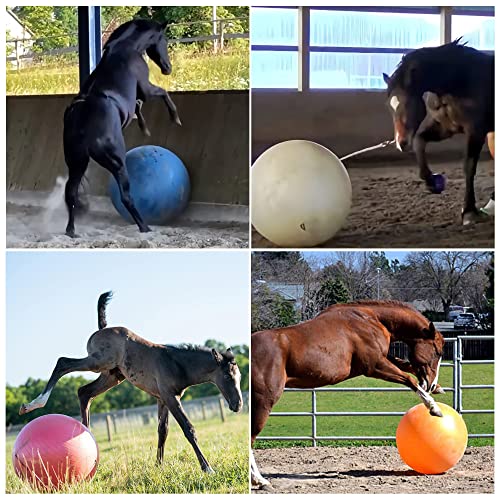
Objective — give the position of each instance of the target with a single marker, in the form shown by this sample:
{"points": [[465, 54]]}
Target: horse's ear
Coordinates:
{"points": [[387, 78], [229, 354], [217, 356], [431, 331]]}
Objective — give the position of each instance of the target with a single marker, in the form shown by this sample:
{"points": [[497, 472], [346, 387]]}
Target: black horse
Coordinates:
{"points": [[465, 77], [108, 101]]}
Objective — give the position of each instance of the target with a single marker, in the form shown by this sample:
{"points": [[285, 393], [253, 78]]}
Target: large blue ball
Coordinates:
{"points": [[159, 185]]}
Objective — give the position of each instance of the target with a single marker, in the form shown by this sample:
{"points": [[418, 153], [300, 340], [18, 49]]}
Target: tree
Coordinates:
{"points": [[330, 292], [48, 29], [444, 274], [193, 14]]}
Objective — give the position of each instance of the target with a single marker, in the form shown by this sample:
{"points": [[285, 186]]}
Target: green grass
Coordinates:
{"points": [[376, 401], [191, 71], [127, 464]]}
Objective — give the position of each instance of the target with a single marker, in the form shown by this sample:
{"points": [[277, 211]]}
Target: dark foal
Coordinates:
{"points": [[108, 101], [466, 77], [163, 371], [342, 342]]}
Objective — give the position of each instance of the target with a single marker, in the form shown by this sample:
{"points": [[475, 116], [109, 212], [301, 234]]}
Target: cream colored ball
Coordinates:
{"points": [[301, 194]]}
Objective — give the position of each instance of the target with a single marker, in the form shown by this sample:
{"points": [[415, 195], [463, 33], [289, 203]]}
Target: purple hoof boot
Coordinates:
{"points": [[438, 183]]}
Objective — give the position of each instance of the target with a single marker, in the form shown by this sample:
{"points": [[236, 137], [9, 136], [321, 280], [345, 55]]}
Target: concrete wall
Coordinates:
{"points": [[344, 121], [213, 142]]}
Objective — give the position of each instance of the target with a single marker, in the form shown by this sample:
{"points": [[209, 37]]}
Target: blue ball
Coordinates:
{"points": [[159, 185]]}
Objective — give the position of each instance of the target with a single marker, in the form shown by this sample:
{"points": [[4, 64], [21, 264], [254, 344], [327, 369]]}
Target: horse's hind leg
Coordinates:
{"points": [[163, 423], [77, 165], [63, 367], [111, 156], [87, 393]]}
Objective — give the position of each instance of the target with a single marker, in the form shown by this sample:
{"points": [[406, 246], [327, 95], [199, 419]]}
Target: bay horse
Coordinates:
{"points": [[452, 69], [108, 101], [342, 342], [163, 371]]}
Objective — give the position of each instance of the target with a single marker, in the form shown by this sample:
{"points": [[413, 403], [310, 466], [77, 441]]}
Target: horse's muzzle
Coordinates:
{"points": [[166, 71], [236, 407]]}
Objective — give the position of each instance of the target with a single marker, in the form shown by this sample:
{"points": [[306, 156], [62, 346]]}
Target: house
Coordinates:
{"points": [[19, 38]]}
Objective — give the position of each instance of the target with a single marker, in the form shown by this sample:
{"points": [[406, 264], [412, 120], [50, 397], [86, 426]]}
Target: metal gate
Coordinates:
{"points": [[457, 390]]}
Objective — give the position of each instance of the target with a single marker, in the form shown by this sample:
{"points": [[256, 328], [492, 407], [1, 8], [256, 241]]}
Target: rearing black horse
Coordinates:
{"points": [[108, 101], [453, 70]]}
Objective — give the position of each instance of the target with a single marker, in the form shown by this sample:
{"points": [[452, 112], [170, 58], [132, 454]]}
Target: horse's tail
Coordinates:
{"points": [[101, 309]]}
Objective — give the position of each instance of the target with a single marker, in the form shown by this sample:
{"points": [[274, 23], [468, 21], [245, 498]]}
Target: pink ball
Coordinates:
{"points": [[53, 450]]}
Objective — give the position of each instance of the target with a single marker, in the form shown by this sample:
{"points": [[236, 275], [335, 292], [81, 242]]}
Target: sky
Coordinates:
{"points": [[391, 255], [166, 297]]}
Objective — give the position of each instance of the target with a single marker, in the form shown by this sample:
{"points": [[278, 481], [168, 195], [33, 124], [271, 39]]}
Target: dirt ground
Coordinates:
{"points": [[38, 222], [371, 469], [391, 208]]}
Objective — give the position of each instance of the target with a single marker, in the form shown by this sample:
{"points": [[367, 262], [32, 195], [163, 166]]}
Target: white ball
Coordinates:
{"points": [[301, 194]]}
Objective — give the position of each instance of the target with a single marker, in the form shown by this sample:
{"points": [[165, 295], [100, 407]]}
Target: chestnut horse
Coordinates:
{"points": [[342, 342]]}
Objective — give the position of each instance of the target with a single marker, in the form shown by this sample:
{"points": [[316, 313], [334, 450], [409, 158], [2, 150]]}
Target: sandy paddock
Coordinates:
{"points": [[38, 220], [369, 469], [391, 208]]}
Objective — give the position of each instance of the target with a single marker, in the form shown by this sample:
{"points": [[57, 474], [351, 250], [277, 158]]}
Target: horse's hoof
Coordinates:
{"points": [[23, 409], [72, 234], [474, 217], [435, 411], [267, 487], [145, 229], [178, 121], [209, 470], [488, 209]]}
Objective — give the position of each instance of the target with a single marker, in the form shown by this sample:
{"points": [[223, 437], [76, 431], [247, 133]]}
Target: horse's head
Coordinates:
{"points": [[227, 378], [157, 49], [407, 108], [425, 355]]}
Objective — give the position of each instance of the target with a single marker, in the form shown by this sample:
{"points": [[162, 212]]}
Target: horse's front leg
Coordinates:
{"points": [[150, 90], [428, 131], [140, 118], [407, 367], [162, 430], [174, 405], [387, 371], [470, 214]]}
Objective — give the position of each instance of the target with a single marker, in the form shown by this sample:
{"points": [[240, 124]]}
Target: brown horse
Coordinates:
{"points": [[342, 342]]}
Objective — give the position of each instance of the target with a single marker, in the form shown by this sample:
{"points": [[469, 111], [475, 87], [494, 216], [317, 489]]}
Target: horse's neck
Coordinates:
{"points": [[198, 366], [401, 324]]}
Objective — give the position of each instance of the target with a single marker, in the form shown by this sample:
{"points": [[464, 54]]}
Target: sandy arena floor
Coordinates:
{"points": [[370, 469], [391, 208], [36, 222]]}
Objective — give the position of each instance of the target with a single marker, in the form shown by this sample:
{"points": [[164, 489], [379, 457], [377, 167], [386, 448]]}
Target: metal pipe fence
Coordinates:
{"points": [[456, 365]]}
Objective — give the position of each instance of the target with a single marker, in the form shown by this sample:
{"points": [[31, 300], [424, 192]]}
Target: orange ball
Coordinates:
{"points": [[428, 444]]}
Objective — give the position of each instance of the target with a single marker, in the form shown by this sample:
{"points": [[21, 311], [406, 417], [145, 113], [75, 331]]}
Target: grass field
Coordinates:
{"points": [[127, 464], [376, 401], [191, 71]]}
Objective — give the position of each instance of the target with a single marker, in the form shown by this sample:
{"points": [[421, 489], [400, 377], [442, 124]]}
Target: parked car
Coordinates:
{"points": [[465, 320]]}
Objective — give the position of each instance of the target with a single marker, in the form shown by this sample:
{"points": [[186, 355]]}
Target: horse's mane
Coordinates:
{"points": [[135, 28], [449, 51], [189, 347], [368, 302]]}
